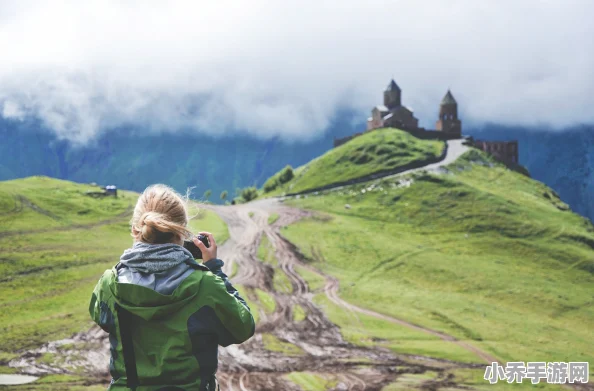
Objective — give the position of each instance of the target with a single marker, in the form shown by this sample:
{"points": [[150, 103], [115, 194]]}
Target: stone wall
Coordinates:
{"points": [[504, 151]]}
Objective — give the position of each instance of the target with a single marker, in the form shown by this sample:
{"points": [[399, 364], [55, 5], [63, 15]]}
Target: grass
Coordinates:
{"points": [[273, 218], [280, 280], [314, 280], [298, 313], [368, 331], [309, 381], [266, 301], [52, 256], [410, 381], [482, 253], [206, 220], [266, 251], [274, 344], [381, 149]]}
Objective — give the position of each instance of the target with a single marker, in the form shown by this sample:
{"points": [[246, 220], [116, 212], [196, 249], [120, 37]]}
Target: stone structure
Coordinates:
{"points": [[392, 113], [504, 151], [448, 116]]}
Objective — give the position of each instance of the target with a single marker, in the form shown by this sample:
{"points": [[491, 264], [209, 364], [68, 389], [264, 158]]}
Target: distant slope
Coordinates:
{"points": [[480, 252], [562, 158], [379, 150], [134, 158], [55, 242]]}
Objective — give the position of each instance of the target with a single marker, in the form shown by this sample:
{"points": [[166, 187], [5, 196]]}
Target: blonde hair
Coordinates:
{"points": [[160, 215]]}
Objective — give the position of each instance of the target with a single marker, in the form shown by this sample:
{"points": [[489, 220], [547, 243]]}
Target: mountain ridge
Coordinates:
{"points": [[564, 160]]}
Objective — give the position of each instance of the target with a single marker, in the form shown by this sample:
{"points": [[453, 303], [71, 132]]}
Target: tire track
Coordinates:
{"points": [[325, 351]]}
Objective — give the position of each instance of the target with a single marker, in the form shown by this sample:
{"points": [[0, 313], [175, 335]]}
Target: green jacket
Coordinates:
{"points": [[170, 342]]}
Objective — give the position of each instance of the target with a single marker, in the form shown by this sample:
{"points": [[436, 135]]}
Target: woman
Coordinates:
{"points": [[165, 313]]}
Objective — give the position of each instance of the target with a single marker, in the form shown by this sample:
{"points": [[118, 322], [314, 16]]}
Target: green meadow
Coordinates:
{"points": [[55, 242], [478, 251], [381, 149]]}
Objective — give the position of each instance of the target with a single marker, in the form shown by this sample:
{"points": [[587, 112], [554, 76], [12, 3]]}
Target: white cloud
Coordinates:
{"points": [[283, 68]]}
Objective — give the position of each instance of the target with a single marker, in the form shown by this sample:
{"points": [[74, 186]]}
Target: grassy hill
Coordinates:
{"points": [[482, 253], [55, 242], [382, 149]]}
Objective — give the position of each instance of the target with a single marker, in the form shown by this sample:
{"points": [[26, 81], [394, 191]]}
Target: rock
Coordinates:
{"points": [[347, 206]]}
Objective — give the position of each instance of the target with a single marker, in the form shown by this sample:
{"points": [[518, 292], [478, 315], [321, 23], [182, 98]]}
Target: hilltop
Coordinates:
{"points": [[381, 150]]}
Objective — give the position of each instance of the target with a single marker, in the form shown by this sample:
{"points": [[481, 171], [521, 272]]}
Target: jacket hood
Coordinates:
{"points": [[153, 258], [149, 304]]}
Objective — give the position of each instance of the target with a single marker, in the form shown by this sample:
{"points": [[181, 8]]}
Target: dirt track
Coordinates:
{"points": [[251, 367]]}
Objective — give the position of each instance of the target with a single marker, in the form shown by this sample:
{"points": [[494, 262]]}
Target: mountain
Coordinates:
{"points": [[131, 159]]}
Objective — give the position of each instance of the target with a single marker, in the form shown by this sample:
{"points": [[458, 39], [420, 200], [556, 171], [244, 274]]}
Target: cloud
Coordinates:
{"points": [[284, 68]]}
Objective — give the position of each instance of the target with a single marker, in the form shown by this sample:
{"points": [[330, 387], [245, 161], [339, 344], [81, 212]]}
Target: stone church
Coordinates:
{"points": [[392, 114]]}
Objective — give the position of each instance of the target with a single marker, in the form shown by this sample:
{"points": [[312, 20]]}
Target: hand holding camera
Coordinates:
{"points": [[203, 246]]}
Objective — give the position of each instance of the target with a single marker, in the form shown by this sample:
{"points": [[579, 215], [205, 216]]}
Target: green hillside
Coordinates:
{"points": [[382, 149], [482, 253], [55, 242]]}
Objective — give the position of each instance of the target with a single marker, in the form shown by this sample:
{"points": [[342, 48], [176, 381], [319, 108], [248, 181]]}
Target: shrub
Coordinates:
{"points": [[280, 178], [286, 174], [249, 193]]}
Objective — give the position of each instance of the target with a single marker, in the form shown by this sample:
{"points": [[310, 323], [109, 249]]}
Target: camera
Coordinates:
{"points": [[191, 247]]}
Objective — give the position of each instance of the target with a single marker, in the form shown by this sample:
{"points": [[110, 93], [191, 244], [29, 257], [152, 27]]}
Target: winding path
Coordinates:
{"points": [[250, 366]]}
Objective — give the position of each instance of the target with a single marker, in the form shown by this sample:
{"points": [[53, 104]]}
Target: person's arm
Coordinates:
{"points": [[229, 307], [99, 313], [216, 267]]}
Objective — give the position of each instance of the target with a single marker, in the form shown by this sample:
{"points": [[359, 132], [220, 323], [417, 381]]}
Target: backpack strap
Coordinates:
{"points": [[125, 320]]}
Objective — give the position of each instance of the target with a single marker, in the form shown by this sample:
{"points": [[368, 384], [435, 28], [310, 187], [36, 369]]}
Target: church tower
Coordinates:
{"points": [[392, 96], [448, 115]]}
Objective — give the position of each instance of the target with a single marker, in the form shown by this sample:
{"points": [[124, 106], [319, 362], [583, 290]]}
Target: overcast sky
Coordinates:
{"points": [[285, 67]]}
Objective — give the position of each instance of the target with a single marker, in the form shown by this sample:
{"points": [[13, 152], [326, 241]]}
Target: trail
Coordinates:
{"points": [[455, 149], [250, 366]]}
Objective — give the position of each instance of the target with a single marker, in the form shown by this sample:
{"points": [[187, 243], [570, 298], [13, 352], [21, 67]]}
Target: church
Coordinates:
{"points": [[393, 114]]}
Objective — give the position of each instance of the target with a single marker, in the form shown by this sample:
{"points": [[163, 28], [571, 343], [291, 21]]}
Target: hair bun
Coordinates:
{"points": [[160, 216], [149, 226]]}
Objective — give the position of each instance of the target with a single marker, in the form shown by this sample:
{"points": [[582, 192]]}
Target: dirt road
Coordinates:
{"points": [[252, 367]]}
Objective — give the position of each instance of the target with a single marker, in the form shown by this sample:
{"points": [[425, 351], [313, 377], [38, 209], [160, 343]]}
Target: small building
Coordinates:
{"points": [[111, 190], [504, 151], [448, 121]]}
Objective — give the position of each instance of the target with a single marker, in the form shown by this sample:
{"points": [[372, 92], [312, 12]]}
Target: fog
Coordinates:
{"points": [[280, 68]]}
